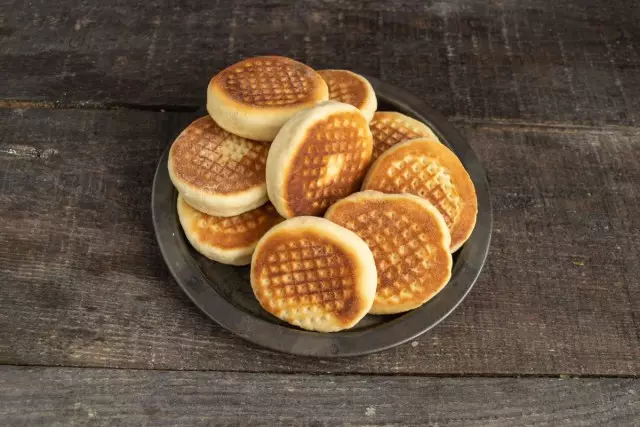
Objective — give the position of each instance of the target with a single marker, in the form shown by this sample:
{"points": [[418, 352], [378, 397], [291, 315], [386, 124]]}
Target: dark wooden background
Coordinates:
{"points": [[93, 329]]}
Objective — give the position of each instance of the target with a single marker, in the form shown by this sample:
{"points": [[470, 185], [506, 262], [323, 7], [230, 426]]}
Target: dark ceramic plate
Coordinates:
{"points": [[224, 293]]}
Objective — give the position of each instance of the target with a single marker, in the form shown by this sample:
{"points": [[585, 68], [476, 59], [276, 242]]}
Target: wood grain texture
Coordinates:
{"points": [[88, 397], [542, 61], [84, 284]]}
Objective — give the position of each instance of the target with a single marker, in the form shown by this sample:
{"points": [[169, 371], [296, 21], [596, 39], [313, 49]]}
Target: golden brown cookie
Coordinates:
{"points": [[390, 128], [410, 244], [217, 172], [351, 88], [314, 274], [255, 97], [229, 240], [430, 170], [319, 156]]}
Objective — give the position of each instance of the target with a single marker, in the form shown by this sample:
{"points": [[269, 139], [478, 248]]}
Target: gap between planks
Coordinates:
{"points": [[336, 374], [515, 124], [18, 104]]}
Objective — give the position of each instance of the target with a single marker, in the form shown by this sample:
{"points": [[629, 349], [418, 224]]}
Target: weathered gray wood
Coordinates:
{"points": [[543, 60], [61, 396], [83, 282]]}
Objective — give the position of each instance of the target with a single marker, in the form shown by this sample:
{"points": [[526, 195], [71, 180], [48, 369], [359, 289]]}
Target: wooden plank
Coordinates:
{"points": [[62, 396], [83, 282], [542, 61]]}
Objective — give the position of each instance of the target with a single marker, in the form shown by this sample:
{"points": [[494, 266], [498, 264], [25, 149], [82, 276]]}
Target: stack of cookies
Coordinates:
{"points": [[341, 210]]}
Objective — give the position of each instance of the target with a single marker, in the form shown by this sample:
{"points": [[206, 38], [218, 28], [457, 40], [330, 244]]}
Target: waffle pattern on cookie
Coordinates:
{"points": [[269, 82], [236, 231], [428, 169], [412, 259], [304, 280], [390, 128], [330, 163], [212, 159], [344, 87], [425, 177]]}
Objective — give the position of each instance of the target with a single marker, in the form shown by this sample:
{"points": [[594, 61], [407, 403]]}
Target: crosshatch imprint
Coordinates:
{"points": [[268, 82], [332, 162], [223, 161], [389, 131], [425, 177], [306, 276]]}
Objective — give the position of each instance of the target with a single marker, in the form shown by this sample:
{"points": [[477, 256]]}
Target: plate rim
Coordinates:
{"points": [[406, 327]]}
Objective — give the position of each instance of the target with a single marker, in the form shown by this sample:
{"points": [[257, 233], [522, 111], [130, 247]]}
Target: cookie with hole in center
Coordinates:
{"points": [[351, 88], [319, 156], [409, 241], [428, 169], [255, 97], [314, 274]]}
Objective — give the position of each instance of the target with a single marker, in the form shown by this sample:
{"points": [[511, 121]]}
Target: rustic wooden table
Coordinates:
{"points": [[94, 331]]}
